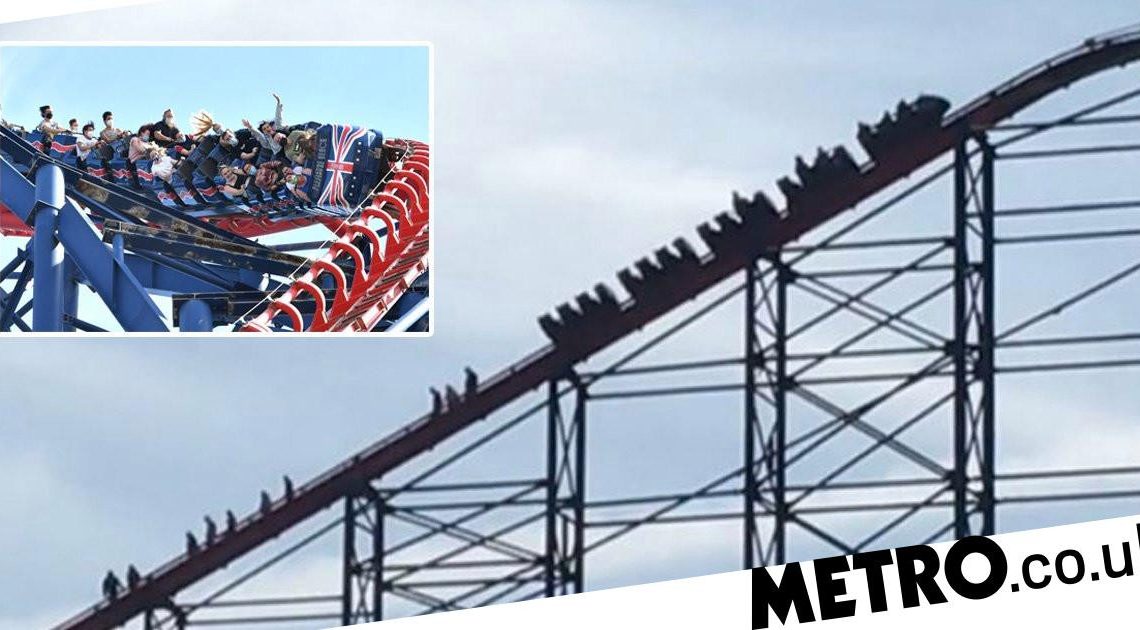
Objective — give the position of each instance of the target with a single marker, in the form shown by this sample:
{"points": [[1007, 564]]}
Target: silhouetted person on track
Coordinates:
{"points": [[266, 502], [231, 521], [211, 530], [288, 488], [470, 381], [133, 577], [452, 398], [191, 544], [436, 402], [111, 585]]}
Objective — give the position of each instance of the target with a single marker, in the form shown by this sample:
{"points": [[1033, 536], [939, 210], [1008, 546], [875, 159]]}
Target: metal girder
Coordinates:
{"points": [[140, 238]]}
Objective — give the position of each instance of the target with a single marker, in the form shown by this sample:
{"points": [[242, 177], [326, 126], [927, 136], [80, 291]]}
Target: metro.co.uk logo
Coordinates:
{"points": [[972, 568]]}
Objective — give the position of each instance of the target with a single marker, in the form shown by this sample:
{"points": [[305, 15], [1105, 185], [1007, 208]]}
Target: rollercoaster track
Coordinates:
{"points": [[602, 321], [11, 225], [397, 247]]}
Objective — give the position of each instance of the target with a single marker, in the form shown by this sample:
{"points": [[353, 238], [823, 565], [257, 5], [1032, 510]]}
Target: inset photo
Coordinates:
{"points": [[215, 188]]}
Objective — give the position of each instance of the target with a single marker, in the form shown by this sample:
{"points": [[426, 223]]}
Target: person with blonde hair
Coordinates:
{"points": [[202, 123]]}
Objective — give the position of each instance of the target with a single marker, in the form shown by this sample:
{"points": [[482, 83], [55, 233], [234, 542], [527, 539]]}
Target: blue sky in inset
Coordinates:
{"points": [[381, 87]]}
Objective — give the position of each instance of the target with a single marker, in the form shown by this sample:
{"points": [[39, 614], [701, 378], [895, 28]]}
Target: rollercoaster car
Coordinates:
{"points": [[346, 165]]}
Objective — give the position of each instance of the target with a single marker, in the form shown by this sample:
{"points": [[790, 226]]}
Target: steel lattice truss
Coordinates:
{"points": [[861, 406]]}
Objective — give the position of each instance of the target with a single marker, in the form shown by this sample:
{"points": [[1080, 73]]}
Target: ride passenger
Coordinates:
{"points": [[73, 127], [268, 177], [248, 145], [111, 586], [295, 181], [266, 134], [47, 126], [165, 131], [6, 124], [235, 180], [85, 143], [162, 165], [140, 144], [301, 145], [110, 133]]}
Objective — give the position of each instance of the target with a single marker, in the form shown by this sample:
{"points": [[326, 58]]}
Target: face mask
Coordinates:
{"points": [[169, 120], [110, 122], [48, 115], [87, 134]]}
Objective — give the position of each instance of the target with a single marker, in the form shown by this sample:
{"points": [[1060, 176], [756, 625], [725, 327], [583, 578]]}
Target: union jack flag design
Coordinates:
{"points": [[60, 147], [339, 164]]}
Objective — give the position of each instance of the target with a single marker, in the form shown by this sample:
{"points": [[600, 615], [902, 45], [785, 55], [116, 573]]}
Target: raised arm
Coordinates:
{"points": [[277, 120]]}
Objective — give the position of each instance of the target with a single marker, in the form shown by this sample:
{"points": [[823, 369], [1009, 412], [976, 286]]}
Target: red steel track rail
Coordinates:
{"points": [[394, 232]]}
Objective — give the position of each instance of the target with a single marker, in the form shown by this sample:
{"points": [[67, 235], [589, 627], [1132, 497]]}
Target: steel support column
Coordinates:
{"points": [[780, 398], [751, 418], [70, 304], [987, 344], [195, 316], [348, 560], [47, 252], [765, 355], [972, 344], [565, 491], [377, 564], [362, 577], [959, 341]]}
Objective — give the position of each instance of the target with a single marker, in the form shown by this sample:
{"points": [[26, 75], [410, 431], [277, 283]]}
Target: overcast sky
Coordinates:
{"points": [[570, 139]]}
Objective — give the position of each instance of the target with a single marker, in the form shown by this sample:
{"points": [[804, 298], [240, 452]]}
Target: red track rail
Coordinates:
{"points": [[395, 229], [11, 225], [734, 250], [251, 227]]}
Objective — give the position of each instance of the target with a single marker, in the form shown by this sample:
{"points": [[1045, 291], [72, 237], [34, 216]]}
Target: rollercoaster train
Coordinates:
{"points": [[345, 167], [829, 177], [188, 234]]}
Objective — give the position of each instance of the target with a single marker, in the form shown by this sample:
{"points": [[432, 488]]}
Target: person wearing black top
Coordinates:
{"points": [[247, 145], [165, 132]]}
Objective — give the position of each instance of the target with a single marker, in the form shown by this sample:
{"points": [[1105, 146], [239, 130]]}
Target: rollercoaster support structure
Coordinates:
{"points": [[951, 355], [973, 342], [367, 579], [565, 512], [49, 270], [765, 366], [362, 570]]}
